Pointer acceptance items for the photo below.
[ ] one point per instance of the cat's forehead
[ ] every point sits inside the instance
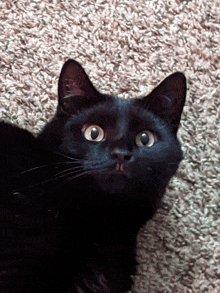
(118, 111)
(109, 111)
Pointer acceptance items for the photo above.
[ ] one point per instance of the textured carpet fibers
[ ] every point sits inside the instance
(127, 47)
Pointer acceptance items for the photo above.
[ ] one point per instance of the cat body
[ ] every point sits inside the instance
(75, 197)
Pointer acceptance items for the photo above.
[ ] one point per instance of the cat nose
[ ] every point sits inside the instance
(121, 155)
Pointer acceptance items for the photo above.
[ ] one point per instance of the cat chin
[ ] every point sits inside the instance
(115, 182)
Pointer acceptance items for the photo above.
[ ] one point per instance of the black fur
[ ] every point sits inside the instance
(71, 207)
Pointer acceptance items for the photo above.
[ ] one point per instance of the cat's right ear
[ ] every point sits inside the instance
(75, 89)
(167, 99)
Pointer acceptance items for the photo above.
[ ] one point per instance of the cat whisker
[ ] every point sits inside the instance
(54, 177)
(37, 184)
(65, 156)
(67, 173)
(48, 180)
(73, 177)
(174, 164)
(79, 175)
(97, 165)
(44, 166)
(89, 171)
(62, 173)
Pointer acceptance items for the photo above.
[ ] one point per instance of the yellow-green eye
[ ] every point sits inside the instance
(93, 133)
(145, 138)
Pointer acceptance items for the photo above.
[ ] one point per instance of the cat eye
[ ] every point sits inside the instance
(145, 138)
(93, 133)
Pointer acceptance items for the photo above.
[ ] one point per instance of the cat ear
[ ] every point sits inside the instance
(168, 98)
(75, 89)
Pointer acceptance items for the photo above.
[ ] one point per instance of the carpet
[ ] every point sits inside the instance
(127, 47)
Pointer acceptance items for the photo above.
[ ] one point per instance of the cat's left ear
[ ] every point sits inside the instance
(75, 90)
(167, 99)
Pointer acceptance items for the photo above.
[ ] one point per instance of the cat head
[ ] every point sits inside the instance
(124, 145)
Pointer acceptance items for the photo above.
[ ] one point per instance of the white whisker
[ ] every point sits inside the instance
(79, 175)
(44, 166)
(65, 156)
(67, 170)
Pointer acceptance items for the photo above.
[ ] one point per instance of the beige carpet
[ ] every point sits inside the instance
(127, 47)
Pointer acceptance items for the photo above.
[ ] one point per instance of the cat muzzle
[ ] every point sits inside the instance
(121, 169)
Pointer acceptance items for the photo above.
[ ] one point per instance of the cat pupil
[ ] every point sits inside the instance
(144, 138)
(94, 133)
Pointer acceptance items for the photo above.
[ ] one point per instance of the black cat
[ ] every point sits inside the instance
(74, 198)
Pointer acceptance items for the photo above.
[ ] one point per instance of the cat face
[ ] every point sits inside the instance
(125, 146)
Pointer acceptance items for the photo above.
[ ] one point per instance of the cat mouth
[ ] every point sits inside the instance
(120, 168)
